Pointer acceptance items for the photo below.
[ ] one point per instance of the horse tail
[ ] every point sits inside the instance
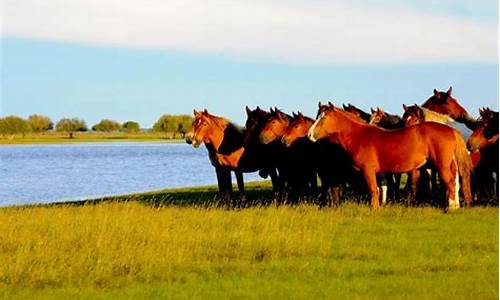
(465, 167)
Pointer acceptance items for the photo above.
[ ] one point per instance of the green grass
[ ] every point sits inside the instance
(57, 137)
(147, 246)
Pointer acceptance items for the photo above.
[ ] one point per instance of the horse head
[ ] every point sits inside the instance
(378, 116)
(413, 115)
(206, 129)
(486, 131)
(253, 125)
(444, 103)
(297, 129)
(274, 127)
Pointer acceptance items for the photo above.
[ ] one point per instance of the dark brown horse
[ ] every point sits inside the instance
(357, 111)
(444, 103)
(270, 154)
(300, 176)
(484, 146)
(385, 120)
(375, 150)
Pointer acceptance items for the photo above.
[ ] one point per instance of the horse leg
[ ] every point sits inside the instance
(447, 175)
(415, 175)
(224, 183)
(383, 187)
(335, 191)
(371, 181)
(276, 184)
(397, 183)
(241, 185)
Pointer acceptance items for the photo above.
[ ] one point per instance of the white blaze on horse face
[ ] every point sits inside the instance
(310, 133)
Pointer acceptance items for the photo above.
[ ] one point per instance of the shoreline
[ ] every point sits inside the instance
(29, 141)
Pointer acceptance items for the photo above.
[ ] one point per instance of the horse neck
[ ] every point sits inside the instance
(349, 131)
(433, 116)
(226, 137)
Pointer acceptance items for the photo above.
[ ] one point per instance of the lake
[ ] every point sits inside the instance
(42, 173)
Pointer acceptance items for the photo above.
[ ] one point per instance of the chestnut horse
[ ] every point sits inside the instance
(376, 150)
(444, 103)
(300, 175)
(484, 146)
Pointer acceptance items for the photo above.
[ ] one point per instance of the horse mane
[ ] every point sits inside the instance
(432, 116)
(351, 116)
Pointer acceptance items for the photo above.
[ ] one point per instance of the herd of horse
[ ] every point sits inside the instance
(355, 152)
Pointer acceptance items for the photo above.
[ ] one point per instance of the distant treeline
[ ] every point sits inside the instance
(172, 125)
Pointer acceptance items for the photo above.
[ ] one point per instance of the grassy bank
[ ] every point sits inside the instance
(57, 137)
(134, 249)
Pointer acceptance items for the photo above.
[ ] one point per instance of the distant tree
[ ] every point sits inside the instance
(13, 125)
(71, 126)
(131, 126)
(39, 123)
(107, 125)
(175, 124)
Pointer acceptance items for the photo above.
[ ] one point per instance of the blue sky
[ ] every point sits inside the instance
(136, 73)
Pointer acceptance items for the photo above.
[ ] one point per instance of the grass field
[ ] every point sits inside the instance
(141, 249)
(58, 137)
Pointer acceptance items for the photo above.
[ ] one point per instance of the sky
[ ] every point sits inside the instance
(136, 60)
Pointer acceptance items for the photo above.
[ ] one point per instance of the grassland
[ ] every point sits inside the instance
(58, 137)
(149, 247)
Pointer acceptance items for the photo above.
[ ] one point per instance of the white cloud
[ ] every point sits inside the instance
(297, 30)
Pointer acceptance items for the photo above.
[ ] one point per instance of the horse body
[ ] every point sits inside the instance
(375, 150)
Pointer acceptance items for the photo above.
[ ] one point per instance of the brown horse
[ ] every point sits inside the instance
(225, 142)
(375, 150)
(484, 146)
(300, 176)
(223, 174)
(444, 103)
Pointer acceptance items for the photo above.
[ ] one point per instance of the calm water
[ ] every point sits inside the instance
(57, 172)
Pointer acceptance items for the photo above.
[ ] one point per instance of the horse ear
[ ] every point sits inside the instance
(449, 91)
(405, 108)
(249, 111)
(205, 111)
(436, 93)
(294, 115)
(299, 114)
(319, 104)
(372, 110)
(195, 113)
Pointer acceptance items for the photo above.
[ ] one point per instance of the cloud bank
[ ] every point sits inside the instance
(298, 31)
